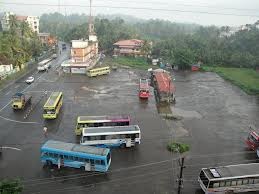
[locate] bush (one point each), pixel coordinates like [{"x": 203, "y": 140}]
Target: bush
[{"x": 178, "y": 147}]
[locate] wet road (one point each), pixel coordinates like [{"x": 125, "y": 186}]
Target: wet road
[{"x": 215, "y": 116}]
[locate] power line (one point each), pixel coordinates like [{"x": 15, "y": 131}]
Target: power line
[
  {"x": 135, "y": 8},
  {"x": 185, "y": 5}
]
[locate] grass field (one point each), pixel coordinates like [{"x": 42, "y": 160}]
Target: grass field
[
  {"x": 246, "y": 79},
  {"x": 138, "y": 63}
]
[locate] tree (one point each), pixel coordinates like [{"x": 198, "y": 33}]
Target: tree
[
  {"x": 8, "y": 186},
  {"x": 13, "y": 24},
  {"x": 146, "y": 48},
  {"x": 25, "y": 30}
]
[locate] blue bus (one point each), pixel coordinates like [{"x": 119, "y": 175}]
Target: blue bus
[{"x": 87, "y": 158}]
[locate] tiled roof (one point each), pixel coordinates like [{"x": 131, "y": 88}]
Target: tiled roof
[
  {"x": 131, "y": 42},
  {"x": 21, "y": 18}
]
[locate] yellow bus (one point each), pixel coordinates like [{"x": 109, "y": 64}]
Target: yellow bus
[
  {"x": 53, "y": 105},
  {"x": 98, "y": 71}
]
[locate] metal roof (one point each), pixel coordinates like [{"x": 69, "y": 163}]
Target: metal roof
[
  {"x": 70, "y": 147},
  {"x": 233, "y": 171},
  {"x": 164, "y": 82},
  {"x": 52, "y": 99},
  {"x": 102, "y": 118},
  {"x": 115, "y": 129}
]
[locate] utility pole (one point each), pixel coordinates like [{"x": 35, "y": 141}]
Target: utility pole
[{"x": 180, "y": 180}]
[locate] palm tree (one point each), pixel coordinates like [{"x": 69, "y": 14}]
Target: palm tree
[
  {"x": 146, "y": 48},
  {"x": 13, "y": 24},
  {"x": 25, "y": 29}
]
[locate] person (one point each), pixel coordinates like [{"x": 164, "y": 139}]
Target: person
[{"x": 45, "y": 131}]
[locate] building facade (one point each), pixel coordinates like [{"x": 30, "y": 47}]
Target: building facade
[
  {"x": 83, "y": 51},
  {"x": 130, "y": 47},
  {"x": 47, "y": 39},
  {"x": 33, "y": 21}
]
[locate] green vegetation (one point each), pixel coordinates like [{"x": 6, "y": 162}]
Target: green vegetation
[
  {"x": 246, "y": 79},
  {"x": 10, "y": 186},
  {"x": 19, "y": 44},
  {"x": 178, "y": 147},
  {"x": 138, "y": 63}
]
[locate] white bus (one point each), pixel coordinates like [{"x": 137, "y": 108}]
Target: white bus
[
  {"x": 112, "y": 136},
  {"x": 44, "y": 65},
  {"x": 230, "y": 179}
]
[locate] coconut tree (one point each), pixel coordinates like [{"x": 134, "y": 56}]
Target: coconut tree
[
  {"x": 13, "y": 23},
  {"x": 146, "y": 48},
  {"x": 25, "y": 30}
]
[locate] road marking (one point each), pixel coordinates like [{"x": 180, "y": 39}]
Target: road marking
[
  {"x": 5, "y": 106},
  {"x": 22, "y": 122},
  {"x": 12, "y": 148},
  {"x": 7, "y": 93},
  {"x": 16, "y": 86}
]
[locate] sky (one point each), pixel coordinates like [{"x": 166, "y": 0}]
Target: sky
[{"x": 204, "y": 12}]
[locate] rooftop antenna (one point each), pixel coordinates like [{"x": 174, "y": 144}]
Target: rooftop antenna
[{"x": 91, "y": 25}]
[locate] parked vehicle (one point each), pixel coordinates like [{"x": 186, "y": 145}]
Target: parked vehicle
[
  {"x": 113, "y": 136},
  {"x": 20, "y": 101},
  {"x": 100, "y": 121},
  {"x": 29, "y": 80},
  {"x": 98, "y": 71},
  {"x": 44, "y": 65},
  {"x": 144, "y": 89},
  {"x": 54, "y": 56},
  {"x": 252, "y": 140},
  {"x": 238, "y": 178},
  {"x": 64, "y": 46},
  {"x": 52, "y": 106},
  {"x": 88, "y": 158}
]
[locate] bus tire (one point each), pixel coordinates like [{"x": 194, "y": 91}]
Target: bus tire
[
  {"x": 48, "y": 163},
  {"x": 82, "y": 168}
]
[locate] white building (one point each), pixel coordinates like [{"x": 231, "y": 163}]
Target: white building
[
  {"x": 5, "y": 20},
  {"x": 33, "y": 21}
]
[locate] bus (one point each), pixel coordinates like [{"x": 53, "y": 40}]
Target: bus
[
  {"x": 53, "y": 105},
  {"x": 143, "y": 89},
  {"x": 118, "y": 136},
  {"x": 100, "y": 121},
  {"x": 98, "y": 71},
  {"x": 44, "y": 65},
  {"x": 230, "y": 179},
  {"x": 87, "y": 158}
]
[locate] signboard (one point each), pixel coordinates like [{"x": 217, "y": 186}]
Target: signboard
[{"x": 78, "y": 70}]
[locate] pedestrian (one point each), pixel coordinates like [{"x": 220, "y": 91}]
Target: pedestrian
[{"x": 45, "y": 131}]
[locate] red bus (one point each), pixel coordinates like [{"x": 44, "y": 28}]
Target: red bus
[
  {"x": 252, "y": 140},
  {"x": 143, "y": 88}
]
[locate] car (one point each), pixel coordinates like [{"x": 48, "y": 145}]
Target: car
[
  {"x": 29, "y": 80},
  {"x": 54, "y": 56}
]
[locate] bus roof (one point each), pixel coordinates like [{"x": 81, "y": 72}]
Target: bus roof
[
  {"x": 70, "y": 147},
  {"x": 115, "y": 129},
  {"x": 240, "y": 170},
  {"x": 101, "y": 119},
  {"x": 45, "y": 61},
  {"x": 53, "y": 100},
  {"x": 99, "y": 68}
]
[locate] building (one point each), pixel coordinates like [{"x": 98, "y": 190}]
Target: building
[
  {"x": 130, "y": 47},
  {"x": 83, "y": 50},
  {"x": 47, "y": 39},
  {"x": 33, "y": 21},
  {"x": 5, "y": 20}
]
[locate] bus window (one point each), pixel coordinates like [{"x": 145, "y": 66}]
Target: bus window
[
  {"x": 222, "y": 184},
  {"x": 76, "y": 158},
  {"x": 70, "y": 157},
  {"x": 66, "y": 157},
  {"x": 204, "y": 179},
  {"x": 87, "y": 160},
  {"x": 256, "y": 181},
  {"x": 91, "y": 161},
  {"x": 102, "y": 162},
  {"x": 215, "y": 185},
  {"x": 228, "y": 183},
  {"x": 251, "y": 181},
  {"x": 98, "y": 162},
  {"x": 102, "y": 137},
  {"x": 245, "y": 181},
  {"x": 55, "y": 155},
  {"x": 233, "y": 183},
  {"x": 61, "y": 156},
  {"x": 239, "y": 182}
]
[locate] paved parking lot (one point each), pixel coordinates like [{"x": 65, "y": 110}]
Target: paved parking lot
[{"x": 214, "y": 119}]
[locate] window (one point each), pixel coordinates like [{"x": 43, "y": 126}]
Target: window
[
  {"x": 215, "y": 185},
  {"x": 245, "y": 181},
  {"x": 222, "y": 184},
  {"x": 102, "y": 162},
  {"x": 61, "y": 156},
  {"x": 87, "y": 160},
  {"x": 256, "y": 181},
  {"x": 239, "y": 182},
  {"x": 76, "y": 158},
  {"x": 251, "y": 181},
  {"x": 233, "y": 183},
  {"x": 91, "y": 161},
  {"x": 228, "y": 183},
  {"x": 81, "y": 160},
  {"x": 66, "y": 157},
  {"x": 51, "y": 155},
  {"x": 55, "y": 156},
  {"x": 98, "y": 162},
  {"x": 70, "y": 157}
]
